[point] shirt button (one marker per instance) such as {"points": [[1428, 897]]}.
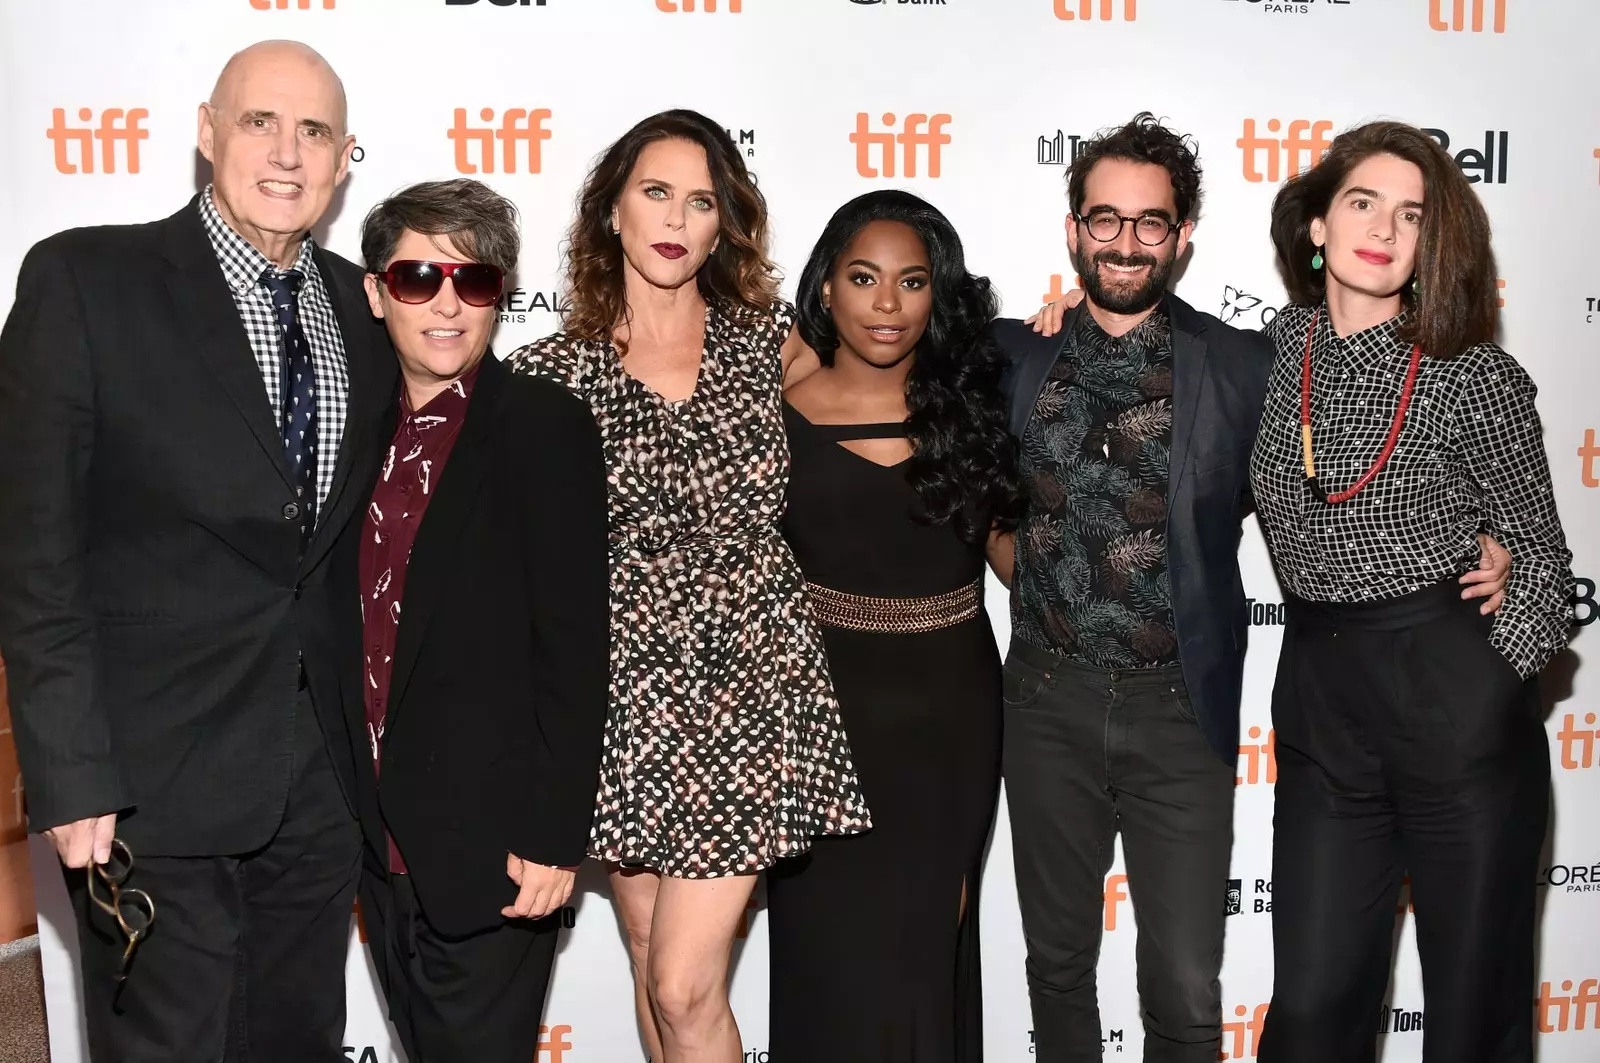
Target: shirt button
{"points": [[291, 511]]}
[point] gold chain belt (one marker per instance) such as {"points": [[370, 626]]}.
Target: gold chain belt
{"points": [[899, 616]]}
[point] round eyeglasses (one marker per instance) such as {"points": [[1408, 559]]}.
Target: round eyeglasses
{"points": [[1151, 230]]}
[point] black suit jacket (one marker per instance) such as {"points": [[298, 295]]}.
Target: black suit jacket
{"points": [[1219, 382], [154, 600], [501, 675]]}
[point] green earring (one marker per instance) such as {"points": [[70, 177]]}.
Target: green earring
{"points": [[1416, 286], [1316, 259]]}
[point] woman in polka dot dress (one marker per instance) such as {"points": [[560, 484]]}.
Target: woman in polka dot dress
{"points": [[724, 751]]}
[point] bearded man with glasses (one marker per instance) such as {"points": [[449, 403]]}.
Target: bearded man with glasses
{"points": [[476, 655], [1128, 614]]}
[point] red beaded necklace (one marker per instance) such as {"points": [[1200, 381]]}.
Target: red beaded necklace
{"points": [[1367, 477]]}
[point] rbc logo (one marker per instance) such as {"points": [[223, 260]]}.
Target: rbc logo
{"points": [[911, 138], [516, 126], [116, 126]]}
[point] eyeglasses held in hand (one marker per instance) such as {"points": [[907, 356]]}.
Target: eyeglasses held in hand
{"points": [[417, 281], [133, 909]]}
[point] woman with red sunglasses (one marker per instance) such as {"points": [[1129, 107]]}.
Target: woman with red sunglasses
{"points": [[478, 688], [724, 749], [1409, 725]]}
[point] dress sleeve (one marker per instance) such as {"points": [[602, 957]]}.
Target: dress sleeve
{"points": [[1501, 441], [554, 358]]}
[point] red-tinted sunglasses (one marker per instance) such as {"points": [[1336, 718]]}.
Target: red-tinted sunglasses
{"points": [[417, 281]]}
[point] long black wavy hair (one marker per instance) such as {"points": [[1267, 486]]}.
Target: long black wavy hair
{"points": [[963, 461]]}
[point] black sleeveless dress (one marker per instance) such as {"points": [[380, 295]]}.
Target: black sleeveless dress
{"points": [[867, 949]]}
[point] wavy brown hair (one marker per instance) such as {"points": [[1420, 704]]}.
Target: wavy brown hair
{"points": [[1456, 306], [738, 276]]}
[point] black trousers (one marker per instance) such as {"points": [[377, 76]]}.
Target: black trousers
{"points": [[246, 958], [1086, 753], [474, 999], [1406, 743]]}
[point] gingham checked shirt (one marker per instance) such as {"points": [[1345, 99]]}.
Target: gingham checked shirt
{"points": [[242, 266], [1470, 457]]}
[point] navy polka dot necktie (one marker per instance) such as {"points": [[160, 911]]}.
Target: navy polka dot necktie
{"points": [[299, 393]]}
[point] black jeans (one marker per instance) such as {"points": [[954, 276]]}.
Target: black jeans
{"points": [[1406, 742], [246, 958], [473, 999], [1089, 752]]}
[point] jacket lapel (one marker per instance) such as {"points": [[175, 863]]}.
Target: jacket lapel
{"points": [[217, 337], [1189, 354], [1032, 372], [428, 570]]}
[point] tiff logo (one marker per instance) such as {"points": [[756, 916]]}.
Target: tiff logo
{"points": [[1069, 11], [1577, 743], [553, 1042], [911, 137], [1260, 759], [1241, 1039], [116, 126], [672, 7], [1558, 1013], [1056, 291], [285, 5], [1457, 13], [1116, 893], [516, 126], [1286, 156], [1587, 455], [1059, 150]]}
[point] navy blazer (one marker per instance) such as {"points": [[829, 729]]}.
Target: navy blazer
{"points": [[1219, 381]]}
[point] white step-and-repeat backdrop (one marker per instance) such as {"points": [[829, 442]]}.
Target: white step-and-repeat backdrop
{"points": [[977, 105]]}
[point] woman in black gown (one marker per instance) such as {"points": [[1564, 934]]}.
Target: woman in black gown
{"points": [[901, 469]]}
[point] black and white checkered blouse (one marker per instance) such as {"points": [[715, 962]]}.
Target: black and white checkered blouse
{"points": [[242, 264], [1470, 458]]}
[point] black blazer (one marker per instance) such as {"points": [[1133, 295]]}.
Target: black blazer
{"points": [[154, 600], [1219, 382], [501, 674]]}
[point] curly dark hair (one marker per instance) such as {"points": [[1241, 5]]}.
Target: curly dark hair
{"points": [[1144, 139], [963, 461], [738, 277], [1459, 299]]}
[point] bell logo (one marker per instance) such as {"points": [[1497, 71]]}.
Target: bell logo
{"points": [[1258, 755], [1451, 15], [1116, 893], [1560, 1013], [1087, 10], [912, 137], [516, 126], [1302, 149], [1587, 453], [286, 5], [553, 1042], [1577, 743], [672, 7], [116, 125], [1241, 1039]]}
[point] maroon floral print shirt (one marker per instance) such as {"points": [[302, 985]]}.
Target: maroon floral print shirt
{"points": [[411, 471]]}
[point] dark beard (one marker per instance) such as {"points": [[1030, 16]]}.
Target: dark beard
{"points": [[1123, 300]]}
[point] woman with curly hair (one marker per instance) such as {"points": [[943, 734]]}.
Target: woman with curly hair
{"points": [[723, 749], [902, 468]]}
